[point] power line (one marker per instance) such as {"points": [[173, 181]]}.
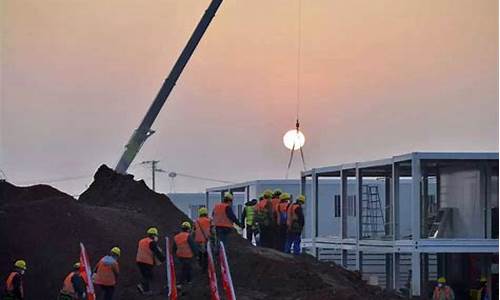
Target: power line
{"points": [[203, 178], [154, 169], [61, 179]]}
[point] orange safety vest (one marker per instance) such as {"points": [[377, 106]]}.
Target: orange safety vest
{"points": [[10, 283], [437, 293], [68, 285], [292, 216], [261, 205], [105, 274], [282, 208], [183, 248], [144, 253], [274, 204], [220, 216], [202, 230]]}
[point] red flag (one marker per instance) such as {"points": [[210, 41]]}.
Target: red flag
{"points": [[172, 286], [227, 281], [86, 272], [212, 277]]}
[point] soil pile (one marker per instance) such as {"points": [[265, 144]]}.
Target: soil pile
{"points": [[44, 226]]}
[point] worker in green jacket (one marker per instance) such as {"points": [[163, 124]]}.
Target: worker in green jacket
{"points": [[248, 219]]}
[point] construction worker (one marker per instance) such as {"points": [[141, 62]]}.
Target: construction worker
{"points": [[74, 285], [483, 289], [295, 224], [184, 249], [14, 284], [248, 219], [202, 234], [275, 201], [106, 274], [149, 254], [442, 291], [264, 218], [281, 217], [224, 218]]}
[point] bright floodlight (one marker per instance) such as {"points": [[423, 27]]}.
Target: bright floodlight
{"points": [[294, 137]]}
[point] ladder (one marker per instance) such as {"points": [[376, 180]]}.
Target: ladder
{"points": [[372, 216]]}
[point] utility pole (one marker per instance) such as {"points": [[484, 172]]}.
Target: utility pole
{"points": [[154, 169]]}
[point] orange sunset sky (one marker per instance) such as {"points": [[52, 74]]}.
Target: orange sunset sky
{"points": [[379, 78]]}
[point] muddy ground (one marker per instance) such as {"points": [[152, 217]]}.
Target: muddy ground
{"points": [[44, 226]]}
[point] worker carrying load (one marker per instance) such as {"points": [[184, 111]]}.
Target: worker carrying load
{"points": [[281, 215], [224, 218], [443, 291], [264, 218], [14, 289], [295, 224], [106, 273], [248, 219], [203, 232], [74, 285], [149, 254], [184, 249]]}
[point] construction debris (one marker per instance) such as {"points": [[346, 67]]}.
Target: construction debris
{"points": [[45, 227]]}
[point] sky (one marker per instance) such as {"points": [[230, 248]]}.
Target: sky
{"points": [[378, 79]]}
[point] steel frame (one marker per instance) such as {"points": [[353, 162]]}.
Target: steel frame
{"points": [[396, 246]]}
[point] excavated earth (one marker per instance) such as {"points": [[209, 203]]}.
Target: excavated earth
{"points": [[45, 226]]}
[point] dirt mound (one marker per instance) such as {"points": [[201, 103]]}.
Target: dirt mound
{"points": [[45, 226]]}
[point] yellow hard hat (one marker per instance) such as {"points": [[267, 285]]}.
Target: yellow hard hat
{"points": [[186, 225], [20, 264], [285, 196], [483, 279], [441, 280], [202, 211], [76, 265], [277, 192], [268, 194], [152, 231], [116, 251], [228, 195], [301, 199]]}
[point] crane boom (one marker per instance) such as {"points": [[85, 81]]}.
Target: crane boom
{"points": [[144, 130]]}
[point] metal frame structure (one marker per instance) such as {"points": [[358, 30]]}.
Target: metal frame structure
{"points": [[391, 169]]}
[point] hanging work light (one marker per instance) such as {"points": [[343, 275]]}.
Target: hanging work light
{"points": [[294, 139]]}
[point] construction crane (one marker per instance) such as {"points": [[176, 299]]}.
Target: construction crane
{"points": [[144, 130]]}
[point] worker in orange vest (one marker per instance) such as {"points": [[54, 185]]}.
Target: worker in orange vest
{"points": [[295, 224], [224, 218], [14, 289], [106, 274], [149, 254], [184, 249], [275, 201], [74, 285], [443, 291], [202, 233], [264, 218], [281, 215]]}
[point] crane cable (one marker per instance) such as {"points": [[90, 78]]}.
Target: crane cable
{"points": [[299, 60]]}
